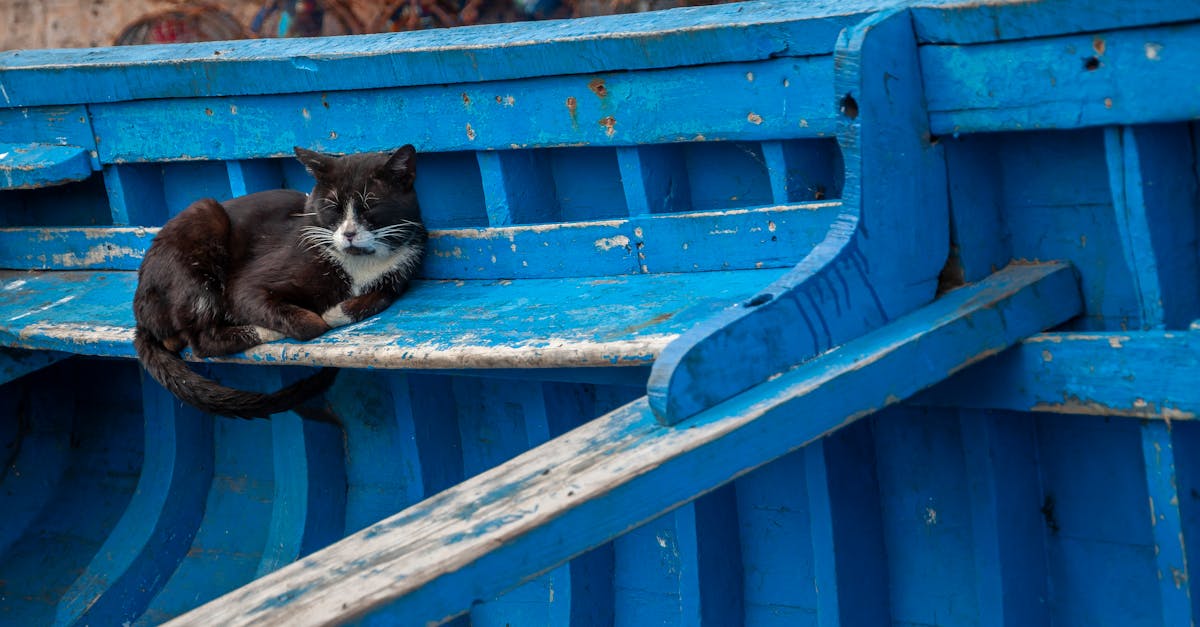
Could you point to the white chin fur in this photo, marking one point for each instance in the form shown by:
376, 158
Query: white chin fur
336, 317
268, 335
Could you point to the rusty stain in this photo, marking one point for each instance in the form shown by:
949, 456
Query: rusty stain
787, 83
572, 109
470, 132
609, 124
771, 226
754, 118
598, 88
1047, 356
304, 112
324, 102
466, 99
1108, 103
207, 111
332, 134
1098, 45
508, 101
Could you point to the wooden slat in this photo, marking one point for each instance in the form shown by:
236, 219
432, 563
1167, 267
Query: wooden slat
1149, 374
1073, 81
620, 109
29, 166
537, 510
753, 30
968, 21
751, 238
534, 323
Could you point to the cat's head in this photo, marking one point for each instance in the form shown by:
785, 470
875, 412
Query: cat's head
363, 204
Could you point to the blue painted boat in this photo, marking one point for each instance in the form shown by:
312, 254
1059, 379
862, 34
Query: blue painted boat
776, 313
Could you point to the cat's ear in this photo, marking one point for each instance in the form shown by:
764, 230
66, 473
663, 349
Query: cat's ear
317, 164
400, 168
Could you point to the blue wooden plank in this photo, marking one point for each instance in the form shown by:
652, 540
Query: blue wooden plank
614, 321
156, 529
135, 194
58, 125
1133, 226
29, 166
309, 500
500, 115
110, 248
625, 468
849, 555
1164, 152
844, 286
517, 187
777, 544
1082, 80
1184, 440
764, 237
183, 183
450, 190
1007, 522
698, 36
1166, 522
254, 175
656, 576
655, 178
1145, 375
941, 21
980, 240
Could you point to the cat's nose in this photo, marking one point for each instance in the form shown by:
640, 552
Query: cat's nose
350, 235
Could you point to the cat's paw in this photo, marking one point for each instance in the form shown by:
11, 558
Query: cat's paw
307, 326
268, 335
336, 317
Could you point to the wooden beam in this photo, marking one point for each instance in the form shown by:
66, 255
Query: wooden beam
528, 515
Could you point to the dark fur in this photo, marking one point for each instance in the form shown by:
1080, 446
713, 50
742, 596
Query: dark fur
275, 260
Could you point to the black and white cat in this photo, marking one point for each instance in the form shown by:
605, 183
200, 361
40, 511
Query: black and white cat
222, 278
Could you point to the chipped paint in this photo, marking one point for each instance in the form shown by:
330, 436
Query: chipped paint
754, 118
1153, 51
38, 310
609, 243
94, 256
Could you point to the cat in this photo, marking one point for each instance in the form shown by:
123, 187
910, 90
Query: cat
224, 277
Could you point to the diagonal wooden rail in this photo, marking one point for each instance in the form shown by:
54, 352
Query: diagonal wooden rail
519, 519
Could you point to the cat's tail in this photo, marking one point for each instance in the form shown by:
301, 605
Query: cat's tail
169, 369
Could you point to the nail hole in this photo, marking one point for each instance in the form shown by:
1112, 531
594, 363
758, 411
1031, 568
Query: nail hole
849, 106
1091, 64
759, 300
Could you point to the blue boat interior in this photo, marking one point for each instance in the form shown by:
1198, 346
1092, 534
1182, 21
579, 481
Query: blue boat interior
754, 314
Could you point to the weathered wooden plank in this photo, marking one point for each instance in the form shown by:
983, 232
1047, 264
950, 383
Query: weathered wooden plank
29, 166
655, 179
614, 321
537, 510
1148, 374
760, 237
847, 284
968, 21
686, 37
1166, 523
57, 125
618, 109
157, 527
1071, 81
